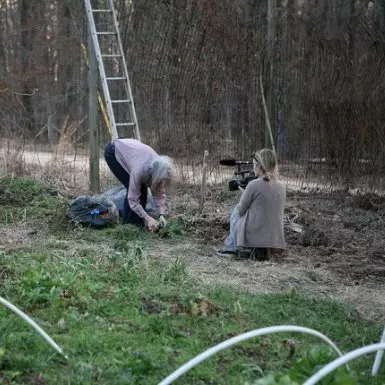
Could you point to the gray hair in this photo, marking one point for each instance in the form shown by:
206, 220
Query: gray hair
161, 169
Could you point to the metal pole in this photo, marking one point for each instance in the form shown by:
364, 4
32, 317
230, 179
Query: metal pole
93, 124
377, 361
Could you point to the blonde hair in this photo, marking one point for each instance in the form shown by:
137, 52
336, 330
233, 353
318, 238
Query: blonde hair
267, 160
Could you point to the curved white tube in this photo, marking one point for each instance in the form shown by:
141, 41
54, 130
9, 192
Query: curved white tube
242, 337
33, 324
377, 360
343, 360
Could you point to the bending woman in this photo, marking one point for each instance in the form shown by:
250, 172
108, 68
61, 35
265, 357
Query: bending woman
138, 167
257, 221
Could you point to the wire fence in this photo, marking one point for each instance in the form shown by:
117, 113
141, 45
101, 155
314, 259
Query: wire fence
198, 68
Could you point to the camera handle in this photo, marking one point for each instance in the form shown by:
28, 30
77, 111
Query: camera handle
243, 173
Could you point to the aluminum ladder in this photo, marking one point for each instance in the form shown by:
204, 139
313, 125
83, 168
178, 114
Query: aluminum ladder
112, 66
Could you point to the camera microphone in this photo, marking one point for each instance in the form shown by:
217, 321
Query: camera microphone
233, 162
228, 162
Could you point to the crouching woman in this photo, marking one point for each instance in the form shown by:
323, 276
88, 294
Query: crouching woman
139, 168
257, 221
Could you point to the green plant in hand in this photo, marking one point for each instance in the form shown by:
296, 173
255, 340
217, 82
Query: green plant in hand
172, 227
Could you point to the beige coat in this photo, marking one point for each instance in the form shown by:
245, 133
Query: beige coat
261, 210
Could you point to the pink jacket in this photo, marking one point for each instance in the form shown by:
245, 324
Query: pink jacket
135, 157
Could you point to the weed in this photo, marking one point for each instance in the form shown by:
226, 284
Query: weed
124, 233
307, 365
176, 272
172, 228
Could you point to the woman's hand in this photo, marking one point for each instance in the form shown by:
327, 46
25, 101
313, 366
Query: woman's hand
152, 224
162, 221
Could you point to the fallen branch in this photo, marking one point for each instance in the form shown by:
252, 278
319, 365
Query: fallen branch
266, 113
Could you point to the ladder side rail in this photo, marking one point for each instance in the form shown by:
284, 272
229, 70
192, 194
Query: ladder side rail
128, 86
101, 69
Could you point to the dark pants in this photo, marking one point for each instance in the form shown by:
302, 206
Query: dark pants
128, 216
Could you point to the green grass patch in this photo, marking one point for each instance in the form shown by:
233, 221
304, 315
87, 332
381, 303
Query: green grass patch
127, 319
30, 200
21, 191
124, 317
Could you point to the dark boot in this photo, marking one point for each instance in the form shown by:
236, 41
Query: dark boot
257, 253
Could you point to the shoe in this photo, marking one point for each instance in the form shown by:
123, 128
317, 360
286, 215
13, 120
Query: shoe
225, 253
258, 254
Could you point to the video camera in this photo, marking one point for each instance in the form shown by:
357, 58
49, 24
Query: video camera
243, 174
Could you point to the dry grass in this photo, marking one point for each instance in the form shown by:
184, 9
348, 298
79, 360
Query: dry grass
67, 166
16, 235
280, 274
351, 271
12, 159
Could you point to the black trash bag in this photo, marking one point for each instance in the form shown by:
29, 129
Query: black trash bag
105, 210
118, 195
93, 211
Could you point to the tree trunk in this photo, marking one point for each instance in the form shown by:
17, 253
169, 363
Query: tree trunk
27, 35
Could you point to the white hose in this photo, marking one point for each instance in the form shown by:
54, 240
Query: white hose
242, 337
377, 360
33, 324
343, 360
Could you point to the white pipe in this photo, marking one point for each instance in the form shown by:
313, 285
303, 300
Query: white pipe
242, 337
377, 361
33, 324
343, 360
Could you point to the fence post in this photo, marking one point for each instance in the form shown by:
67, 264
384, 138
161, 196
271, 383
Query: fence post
203, 183
93, 124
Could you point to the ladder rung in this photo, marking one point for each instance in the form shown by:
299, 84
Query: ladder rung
125, 124
111, 55
121, 101
111, 31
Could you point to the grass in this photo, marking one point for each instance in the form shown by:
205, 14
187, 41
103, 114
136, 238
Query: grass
25, 199
124, 317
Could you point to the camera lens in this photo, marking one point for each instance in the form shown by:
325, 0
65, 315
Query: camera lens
233, 185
